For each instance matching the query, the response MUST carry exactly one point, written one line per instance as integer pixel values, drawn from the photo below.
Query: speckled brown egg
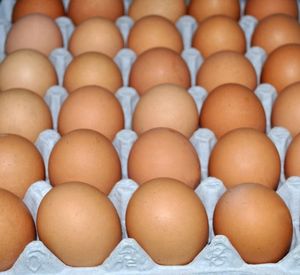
(292, 159)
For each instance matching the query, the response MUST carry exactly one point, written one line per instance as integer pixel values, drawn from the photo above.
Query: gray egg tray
(218, 257)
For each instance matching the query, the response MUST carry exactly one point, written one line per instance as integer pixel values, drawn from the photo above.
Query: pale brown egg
(226, 67)
(166, 105)
(96, 34)
(202, 9)
(292, 158)
(245, 155)
(52, 8)
(91, 107)
(17, 228)
(34, 31)
(282, 67)
(79, 10)
(232, 106)
(168, 220)
(158, 66)
(219, 33)
(21, 164)
(93, 68)
(171, 9)
(256, 221)
(87, 156)
(154, 31)
(261, 9)
(79, 224)
(27, 69)
(24, 113)
(275, 31)
(163, 152)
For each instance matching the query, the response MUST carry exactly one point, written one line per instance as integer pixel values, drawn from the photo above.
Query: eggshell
(79, 224)
(91, 107)
(24, 113)
(292, 158)
(163, 152)
(154, 31)
(226, 67)
(17, 228)
(20, 164)
(92, 68)
(21, 68)
(158, 66)
(86, 156)
(168, 220)
(245, 155)
(219, 33)
(34, 31)
(256, 221)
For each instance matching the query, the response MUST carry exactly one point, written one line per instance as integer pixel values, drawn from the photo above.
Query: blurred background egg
(292, 158)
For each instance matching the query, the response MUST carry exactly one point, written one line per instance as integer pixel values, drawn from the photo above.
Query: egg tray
(219, 256)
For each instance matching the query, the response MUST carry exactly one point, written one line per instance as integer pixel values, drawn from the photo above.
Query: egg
(292, 160)
(79, 10)
(219, 33)
(154, 31)
(24, 113)
(168, 220)
(261, 9)
(158, 66)
(92, 68)
(34, 31)
(21, 164)
(232, 106)
(163, 152)
(256, 221)
(202, 9)
(87, 156)
(52, 8)
(96, 34)
(275, 31)
(282, 67)
(91, 107)
(16, 231)
(226, 67)
(171, 9)
(27, 69)
(79, 224)
(245, 155)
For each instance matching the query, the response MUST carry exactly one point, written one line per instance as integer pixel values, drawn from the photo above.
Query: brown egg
(91, 107)
(292, 158)
(27, 69)
(261, 9)
(158, 66)
(163, 152)
(276, 30)
(96, 35)
(282, 67)
(256, 221)
(154, 31)
(245, 155)
(52, 8)
(17, 228)
(170, 9)
(24, 113)
(168, 220)
(79, 224)
(93, 69)
(226, 67)
(80, 10)
(202, 9)
(286, 109)
(20, 164)
(232, 106)
(166, 105)
(34, 31)
(219, 33)
(87, 156)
